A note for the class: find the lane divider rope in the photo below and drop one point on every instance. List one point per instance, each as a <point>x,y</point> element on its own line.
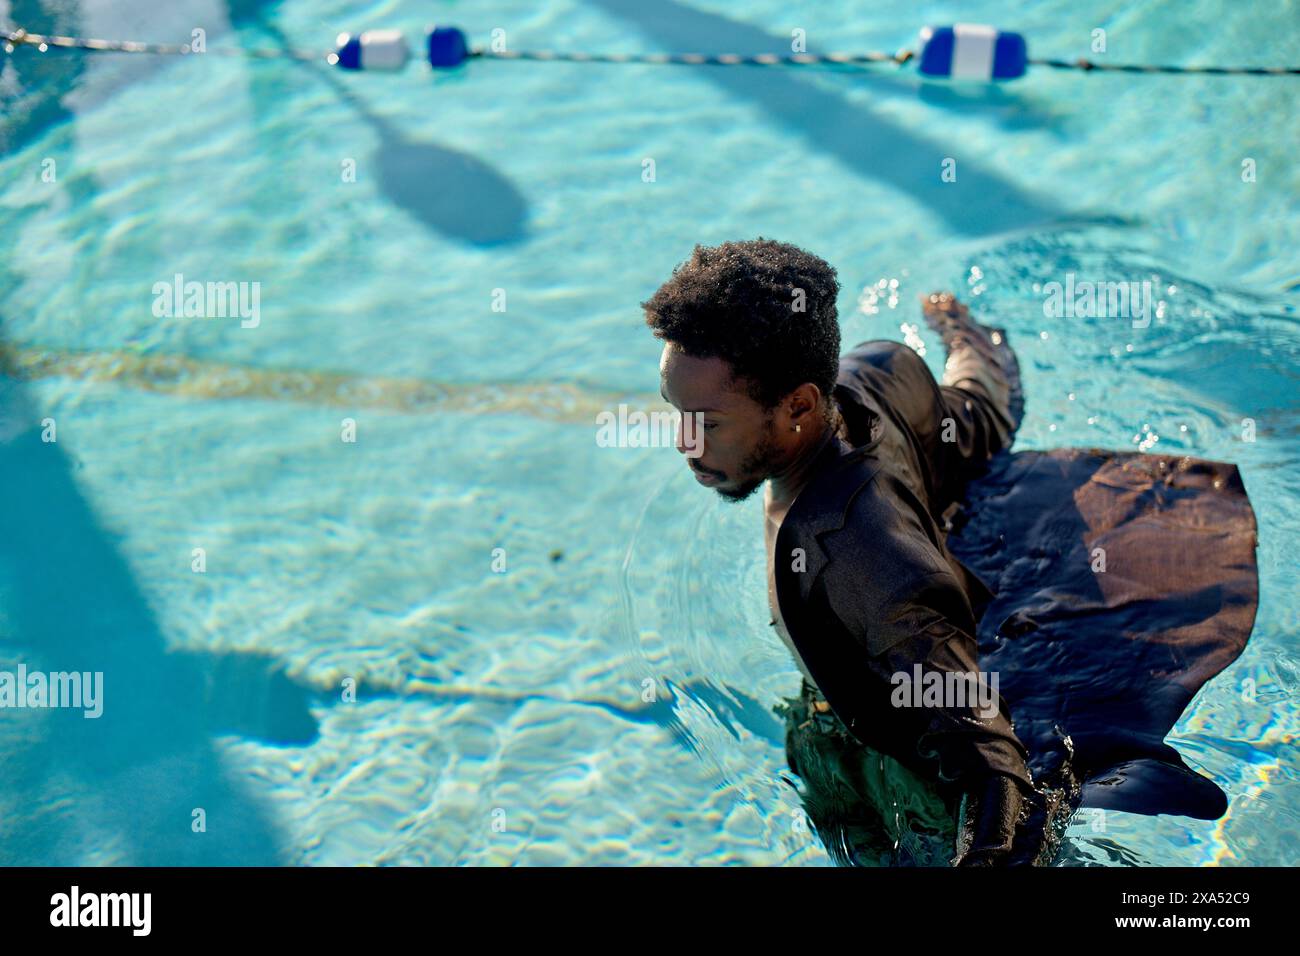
<point>963,51</point>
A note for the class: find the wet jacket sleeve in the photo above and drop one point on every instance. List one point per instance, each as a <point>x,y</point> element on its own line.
<point>891,589</point>
<point>971,741</point>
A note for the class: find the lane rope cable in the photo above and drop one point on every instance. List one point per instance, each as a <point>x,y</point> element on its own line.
<point>961,51</point>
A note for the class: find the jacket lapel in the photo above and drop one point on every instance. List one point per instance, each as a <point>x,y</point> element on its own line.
<point>820,509</point>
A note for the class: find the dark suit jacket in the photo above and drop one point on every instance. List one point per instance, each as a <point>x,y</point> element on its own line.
<point>1095,666</point>
<point>866,584</point>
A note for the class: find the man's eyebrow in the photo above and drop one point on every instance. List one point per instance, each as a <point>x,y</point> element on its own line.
<point>690,411</point>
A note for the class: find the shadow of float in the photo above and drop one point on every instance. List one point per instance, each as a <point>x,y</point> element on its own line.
<point>450,192</point>
<point>980,202</point>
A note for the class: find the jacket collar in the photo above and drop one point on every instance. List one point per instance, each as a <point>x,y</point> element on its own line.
<point>822,505</point>
<point>816,508</point>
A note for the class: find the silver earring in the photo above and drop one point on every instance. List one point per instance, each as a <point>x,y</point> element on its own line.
<point>798,427</point>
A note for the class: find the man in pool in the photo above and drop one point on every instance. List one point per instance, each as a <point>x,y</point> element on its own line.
<point>862,587</point>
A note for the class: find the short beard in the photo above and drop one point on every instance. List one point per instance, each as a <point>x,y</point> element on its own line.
<point>760,462</point>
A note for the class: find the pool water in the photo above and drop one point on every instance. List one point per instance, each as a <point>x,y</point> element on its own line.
<point>472,635</point>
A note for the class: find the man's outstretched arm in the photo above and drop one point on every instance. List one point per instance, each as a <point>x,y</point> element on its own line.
<point>968,732</point>
<point>892,592</point>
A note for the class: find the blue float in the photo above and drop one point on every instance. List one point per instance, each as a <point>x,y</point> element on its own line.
<point>971,51</point>
<point>447,47</point>
<point>371,50</point>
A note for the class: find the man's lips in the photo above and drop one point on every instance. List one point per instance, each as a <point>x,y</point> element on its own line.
<point>705,478</point>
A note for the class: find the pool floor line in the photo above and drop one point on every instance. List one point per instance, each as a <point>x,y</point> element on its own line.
<point>187,377</point>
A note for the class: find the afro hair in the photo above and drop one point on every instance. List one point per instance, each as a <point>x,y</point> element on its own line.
<point>766,307</point>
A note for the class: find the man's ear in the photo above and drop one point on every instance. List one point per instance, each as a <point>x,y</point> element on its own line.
<point>803,403</point>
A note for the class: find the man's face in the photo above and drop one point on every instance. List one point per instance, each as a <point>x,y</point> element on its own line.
<point>739,446</point>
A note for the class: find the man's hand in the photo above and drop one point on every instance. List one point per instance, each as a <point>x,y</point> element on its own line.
<point>990,822</point>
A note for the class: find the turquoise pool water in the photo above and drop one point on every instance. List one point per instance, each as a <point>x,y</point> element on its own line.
<point>499,716</point>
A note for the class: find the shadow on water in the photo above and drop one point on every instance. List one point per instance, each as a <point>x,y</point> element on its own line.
<point>1000,104</point>
<point>31,98</point>
<point>980,202</point>
<point>448,191</point>
<point>730,707</point>
<point>70,603</point>
<point>125,784</point>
